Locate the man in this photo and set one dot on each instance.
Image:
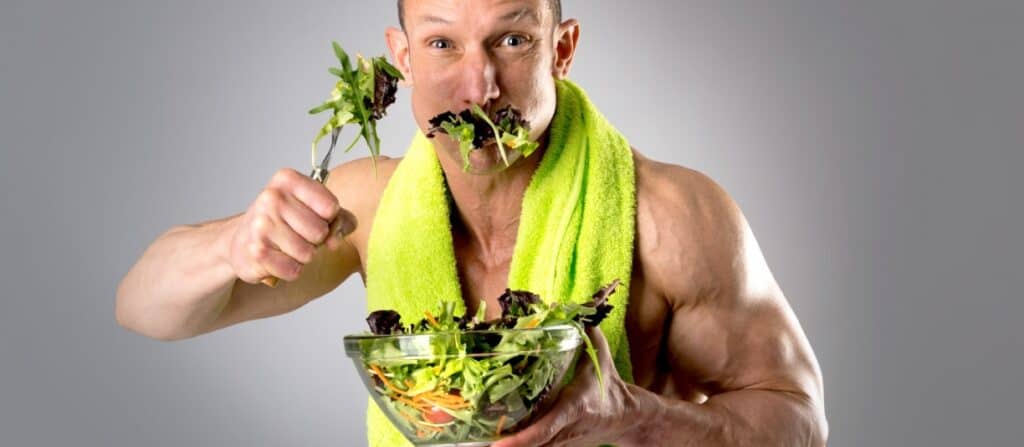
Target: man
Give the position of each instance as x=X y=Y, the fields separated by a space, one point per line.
x=717 y=356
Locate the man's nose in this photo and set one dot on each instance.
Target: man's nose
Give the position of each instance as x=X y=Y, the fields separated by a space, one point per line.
x=479 y=84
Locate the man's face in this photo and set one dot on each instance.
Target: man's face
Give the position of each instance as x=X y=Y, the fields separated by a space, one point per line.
x=491 y=53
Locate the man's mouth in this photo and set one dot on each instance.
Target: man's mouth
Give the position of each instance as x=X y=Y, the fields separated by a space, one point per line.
x=472 y=129
x=477 y=126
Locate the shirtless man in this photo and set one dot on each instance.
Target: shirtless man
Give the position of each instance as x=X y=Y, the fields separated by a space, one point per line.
x=718 y=355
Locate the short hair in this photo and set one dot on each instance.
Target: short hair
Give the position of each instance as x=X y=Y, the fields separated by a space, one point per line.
x=555 y=5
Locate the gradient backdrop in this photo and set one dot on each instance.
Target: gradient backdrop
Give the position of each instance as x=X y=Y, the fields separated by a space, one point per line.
x=874 y=146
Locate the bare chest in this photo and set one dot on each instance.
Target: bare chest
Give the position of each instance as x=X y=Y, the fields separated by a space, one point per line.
x=481 y=282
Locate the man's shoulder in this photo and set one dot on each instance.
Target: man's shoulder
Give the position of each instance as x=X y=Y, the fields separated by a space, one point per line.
x=361 y=180
x=681 y=194
x=359 y=184
x=689 y=229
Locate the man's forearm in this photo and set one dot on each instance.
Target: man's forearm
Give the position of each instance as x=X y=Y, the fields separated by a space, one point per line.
x=180 y=283
x=737 y=418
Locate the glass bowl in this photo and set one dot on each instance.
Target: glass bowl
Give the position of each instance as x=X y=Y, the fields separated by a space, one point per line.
x=464 y=388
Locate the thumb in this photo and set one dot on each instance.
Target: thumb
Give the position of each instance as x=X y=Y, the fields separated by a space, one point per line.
x=597 y=338
x=344 y=223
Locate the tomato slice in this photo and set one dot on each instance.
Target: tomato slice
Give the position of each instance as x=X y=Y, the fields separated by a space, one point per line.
x=437 y=416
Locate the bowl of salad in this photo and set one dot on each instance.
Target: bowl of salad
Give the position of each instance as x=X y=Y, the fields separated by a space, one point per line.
x=459 y=380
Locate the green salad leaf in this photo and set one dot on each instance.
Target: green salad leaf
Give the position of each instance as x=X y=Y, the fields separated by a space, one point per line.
x=360 y=96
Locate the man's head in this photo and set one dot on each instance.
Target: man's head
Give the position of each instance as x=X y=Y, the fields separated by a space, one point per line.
x=493 y=53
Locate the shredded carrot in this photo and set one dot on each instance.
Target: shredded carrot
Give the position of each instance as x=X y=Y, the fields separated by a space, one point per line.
x=384 y=379
x=415 y=405
x=454 y=399
x=449 y=406
x=457 y=399
x=430 y=318
x=433 y=403
x=533 y=323
x=501 y=423
x=445 y=398
x=440 y=399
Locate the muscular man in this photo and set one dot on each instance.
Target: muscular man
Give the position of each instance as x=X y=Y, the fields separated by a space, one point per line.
x=718 y=357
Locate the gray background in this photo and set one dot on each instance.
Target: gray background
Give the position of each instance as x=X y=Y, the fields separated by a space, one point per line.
x=874 y=146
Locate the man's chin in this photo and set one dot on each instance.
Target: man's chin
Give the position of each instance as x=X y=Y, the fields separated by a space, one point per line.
x=487 y=160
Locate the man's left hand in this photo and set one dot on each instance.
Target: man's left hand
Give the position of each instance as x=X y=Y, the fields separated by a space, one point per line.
x=581 y=416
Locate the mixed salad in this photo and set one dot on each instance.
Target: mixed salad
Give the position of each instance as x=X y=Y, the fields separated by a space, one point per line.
x=473 y=128
x=475 y=379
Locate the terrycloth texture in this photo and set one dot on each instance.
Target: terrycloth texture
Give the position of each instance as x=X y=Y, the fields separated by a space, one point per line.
x=575 y=233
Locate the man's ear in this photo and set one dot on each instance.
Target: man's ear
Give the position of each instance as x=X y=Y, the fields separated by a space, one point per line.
x=398 y=44
x=567 y=35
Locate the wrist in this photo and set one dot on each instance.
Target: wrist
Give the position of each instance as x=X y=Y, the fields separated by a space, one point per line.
x=645 y=414
x=203 y=253
x=661 y=420
x=224 y=235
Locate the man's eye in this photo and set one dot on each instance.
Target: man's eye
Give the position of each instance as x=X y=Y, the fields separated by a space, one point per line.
x=513 y=40
x=440 y=44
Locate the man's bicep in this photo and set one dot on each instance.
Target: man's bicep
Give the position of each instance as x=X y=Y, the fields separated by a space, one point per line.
x=736 y=330
x=727 y=344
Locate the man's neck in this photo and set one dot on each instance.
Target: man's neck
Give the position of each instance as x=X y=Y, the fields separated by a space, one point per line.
x=487 y=207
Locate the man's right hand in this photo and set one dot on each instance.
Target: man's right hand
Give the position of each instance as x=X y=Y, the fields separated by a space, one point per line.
x=280 y=231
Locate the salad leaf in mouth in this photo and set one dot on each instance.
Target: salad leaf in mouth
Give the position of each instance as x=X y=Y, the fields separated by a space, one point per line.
x=361 y=96
x=473 y=129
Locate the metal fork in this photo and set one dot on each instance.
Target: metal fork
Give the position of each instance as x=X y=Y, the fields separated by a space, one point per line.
x=319 y=173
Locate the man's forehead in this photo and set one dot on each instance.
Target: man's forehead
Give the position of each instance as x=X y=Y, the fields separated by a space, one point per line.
x=443 y=11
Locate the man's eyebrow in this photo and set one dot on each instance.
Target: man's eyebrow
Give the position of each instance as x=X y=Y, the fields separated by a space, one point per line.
x=434 y=19
x=515 y=16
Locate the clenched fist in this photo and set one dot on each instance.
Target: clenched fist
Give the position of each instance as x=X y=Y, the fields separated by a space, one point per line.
x=281 y=230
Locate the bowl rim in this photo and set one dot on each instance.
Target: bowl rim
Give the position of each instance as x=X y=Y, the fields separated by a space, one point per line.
x=352 y=343
x=555 y=328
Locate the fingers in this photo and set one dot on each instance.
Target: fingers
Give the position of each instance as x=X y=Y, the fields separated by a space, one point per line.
x=314 y=211
x=304 y=222
x=344 y=223
x=282 y=229
x=597 y=338
x=277 y=264
x=562 y=424
x=260 y=259
x=308 y=191
x=543 y=430
x=283 y=237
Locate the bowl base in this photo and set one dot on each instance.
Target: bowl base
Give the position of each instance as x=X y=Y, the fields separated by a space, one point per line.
x=457 y=444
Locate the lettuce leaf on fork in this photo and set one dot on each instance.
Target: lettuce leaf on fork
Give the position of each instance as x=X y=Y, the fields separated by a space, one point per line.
x=361 y=96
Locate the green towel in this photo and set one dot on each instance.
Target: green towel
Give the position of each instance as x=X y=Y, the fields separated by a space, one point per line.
x=575 y=233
